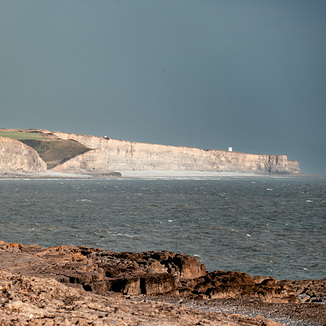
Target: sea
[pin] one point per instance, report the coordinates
(261, 226)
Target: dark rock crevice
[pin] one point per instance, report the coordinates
(152, 273)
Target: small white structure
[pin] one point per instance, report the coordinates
(230, 149)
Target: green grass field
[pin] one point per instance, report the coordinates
(22, 135)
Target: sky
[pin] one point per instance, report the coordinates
(250, 74)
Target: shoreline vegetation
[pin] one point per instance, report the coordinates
(67, 285)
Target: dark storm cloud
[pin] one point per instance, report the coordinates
(210, 74)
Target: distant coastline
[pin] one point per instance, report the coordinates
(37, 152)
(145, 174)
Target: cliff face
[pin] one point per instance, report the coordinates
(119, 155)
(16, 156)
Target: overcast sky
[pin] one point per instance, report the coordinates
(203, 73)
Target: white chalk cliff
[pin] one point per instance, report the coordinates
(118, 155)
(18, 157)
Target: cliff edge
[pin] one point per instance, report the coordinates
(36, 150)
(18, 157)
(120, 155)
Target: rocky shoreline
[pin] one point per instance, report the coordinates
(89, 286)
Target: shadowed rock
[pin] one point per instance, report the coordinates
(33, 295)
(150, 273)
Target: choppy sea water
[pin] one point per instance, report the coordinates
(260, 226)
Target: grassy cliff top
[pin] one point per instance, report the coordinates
(22, 135)
(51, 149)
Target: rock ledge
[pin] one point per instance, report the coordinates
(87, 286)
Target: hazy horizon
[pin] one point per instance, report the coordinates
(207, 74)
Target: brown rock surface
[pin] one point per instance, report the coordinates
(107, 288)
(35, 301)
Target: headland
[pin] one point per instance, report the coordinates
(41, 152)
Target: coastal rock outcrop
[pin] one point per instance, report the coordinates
(90, 286)
(18, 157)
(33, 301)
(119, 155)
(150, 273)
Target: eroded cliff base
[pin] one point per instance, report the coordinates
(90, 286)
